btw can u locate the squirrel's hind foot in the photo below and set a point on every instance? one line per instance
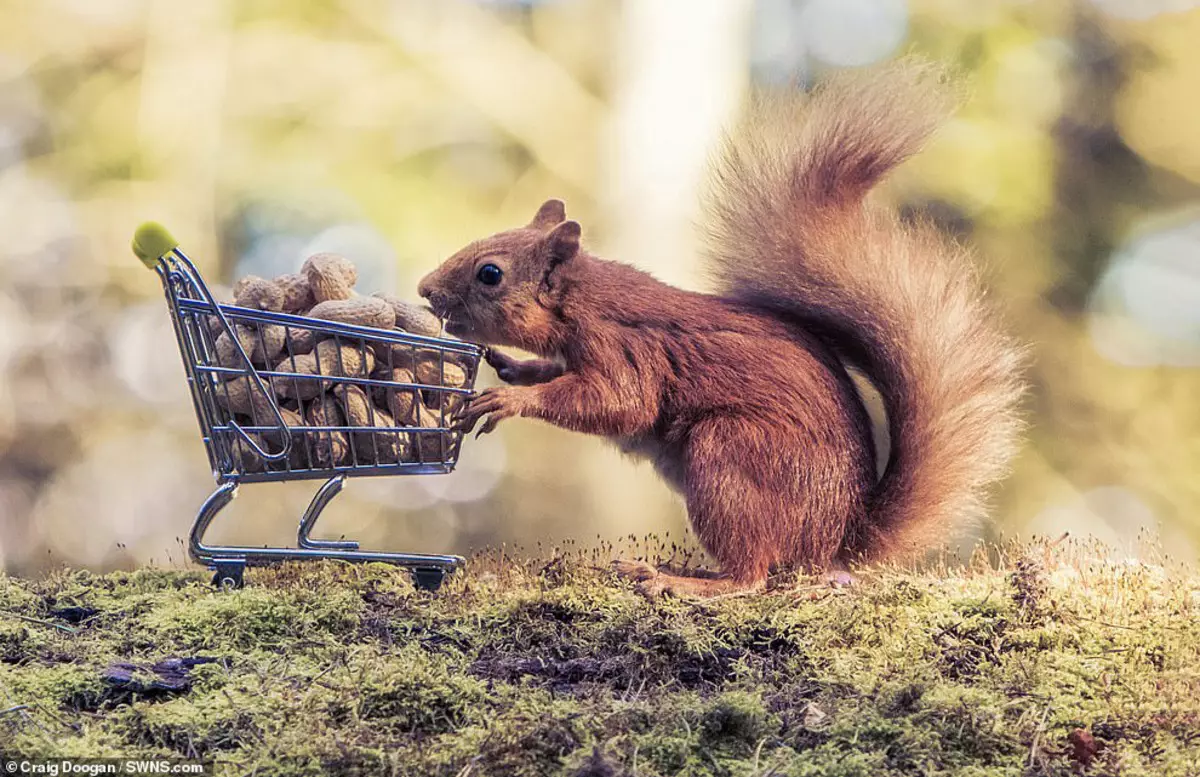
(697, 587)
(838, 578)
(637, 571)
(653, 582)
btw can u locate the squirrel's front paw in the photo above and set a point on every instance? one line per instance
(507, 368)
(496, 404)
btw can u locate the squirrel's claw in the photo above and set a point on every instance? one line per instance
(488, 426)
(492, 405)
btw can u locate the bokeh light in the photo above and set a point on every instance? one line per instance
(853, 32)
(1146, 307)
(1143, 9)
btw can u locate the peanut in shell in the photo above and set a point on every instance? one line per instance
(417, 319)
(434, 369)
(261, 342)
(328, 360)
(257, 293)
(297, 293)
(399, 402)
(330, 448)
(331, 277)
(430, 445)
(362, 311)
(272, 442)
(370, 447)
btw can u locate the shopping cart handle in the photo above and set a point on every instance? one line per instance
(152, 241)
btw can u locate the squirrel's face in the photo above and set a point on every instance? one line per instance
(500, 290)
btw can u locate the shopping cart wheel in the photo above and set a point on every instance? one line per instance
(228, 576)
(428, 578)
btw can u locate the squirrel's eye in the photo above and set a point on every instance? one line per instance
(489, 275)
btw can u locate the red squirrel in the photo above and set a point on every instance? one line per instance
(742, 399)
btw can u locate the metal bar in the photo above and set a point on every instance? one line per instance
(407, 468)
(213, 505)
(323, 497)
(189, 367)
(257, 557)
(343, 379)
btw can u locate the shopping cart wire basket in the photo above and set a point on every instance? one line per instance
(283, 397)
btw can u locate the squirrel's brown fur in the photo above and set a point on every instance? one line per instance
(742, 400)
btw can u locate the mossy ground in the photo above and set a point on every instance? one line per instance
(1041, 662)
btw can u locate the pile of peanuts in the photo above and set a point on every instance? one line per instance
(324, 290)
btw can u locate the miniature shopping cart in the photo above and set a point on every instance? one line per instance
(376, 402)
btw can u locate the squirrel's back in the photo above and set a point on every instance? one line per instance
(793, 234)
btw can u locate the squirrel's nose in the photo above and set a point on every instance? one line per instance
(428, 289)
(425, 288)
(437, 300)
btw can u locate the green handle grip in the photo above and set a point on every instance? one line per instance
(151, 242)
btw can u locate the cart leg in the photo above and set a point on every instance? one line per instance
(229, 569)
(229, 561)
(216, 502)
(323, 497)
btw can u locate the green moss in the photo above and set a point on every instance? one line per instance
(199, 727)
(421, 694)
(19, 642)
(253, 618)
(69, 687)
(535, 668)
(736, 721)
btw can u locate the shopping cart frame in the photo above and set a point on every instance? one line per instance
(194, 312)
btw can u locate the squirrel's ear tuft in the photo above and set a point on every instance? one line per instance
(564, 241)
(552, 212)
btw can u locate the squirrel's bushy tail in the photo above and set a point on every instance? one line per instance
(791, 232)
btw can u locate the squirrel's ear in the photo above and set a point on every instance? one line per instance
(552, 212)
(563, 241)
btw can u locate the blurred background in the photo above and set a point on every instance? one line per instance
(396, 131)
